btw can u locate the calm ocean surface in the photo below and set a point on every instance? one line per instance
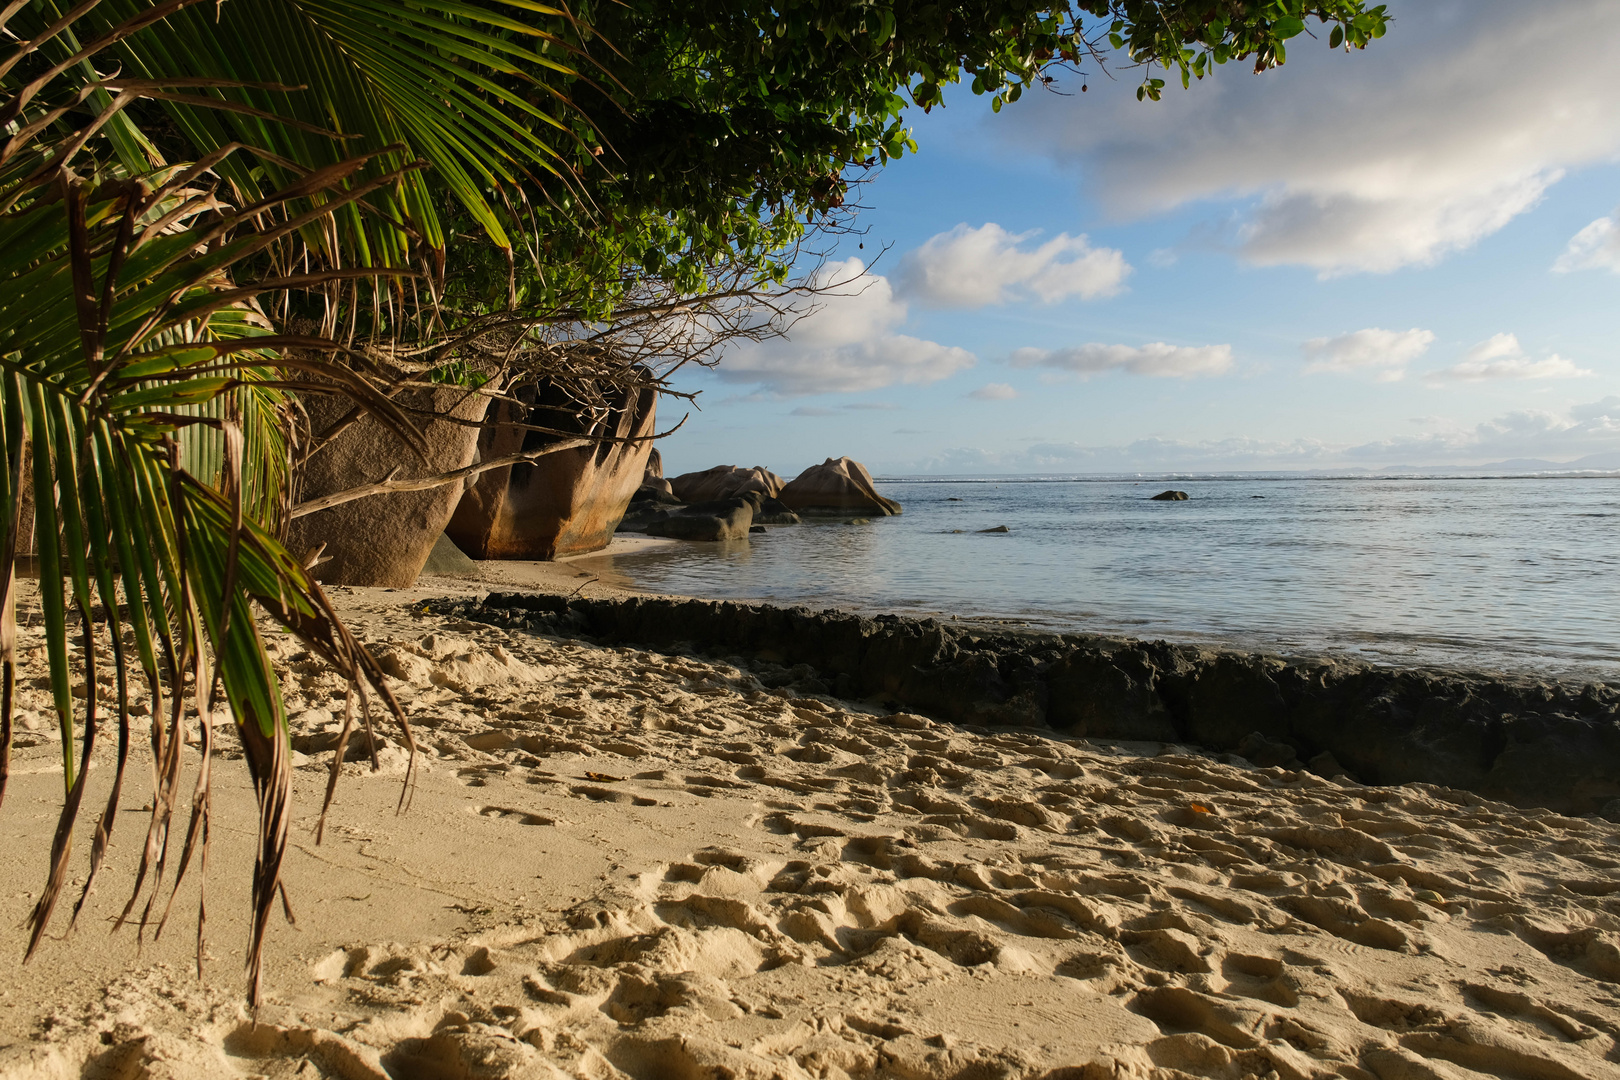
(1508, 573)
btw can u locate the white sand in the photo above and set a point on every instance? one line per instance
(621, 863)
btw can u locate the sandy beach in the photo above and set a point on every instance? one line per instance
(621, 863)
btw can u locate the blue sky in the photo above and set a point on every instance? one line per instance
(1409, 255)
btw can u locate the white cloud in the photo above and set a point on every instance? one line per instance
(996, 391)
(813, 410)
(1433, 138)
(1159, 359)
(1502, 357)
(847, 345)
(1596, 247)
(1586, 436)
(1383, 352)
(974, 268)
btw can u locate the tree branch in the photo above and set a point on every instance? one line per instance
(388, 484)
(424, 483)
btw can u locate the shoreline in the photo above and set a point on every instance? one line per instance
(1527, 740)
(622, 864)
(535, 576)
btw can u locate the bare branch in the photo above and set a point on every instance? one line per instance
(425, 483)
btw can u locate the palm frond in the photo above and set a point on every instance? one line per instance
(134, 382)
(453, 83)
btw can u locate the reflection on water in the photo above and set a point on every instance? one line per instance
(1518, 574)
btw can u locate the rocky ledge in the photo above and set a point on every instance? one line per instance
(1525, 741)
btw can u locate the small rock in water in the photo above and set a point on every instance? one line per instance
(953, 498)
(1170, 496)
(997, 529)
(775, 512)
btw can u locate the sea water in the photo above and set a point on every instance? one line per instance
(1518, 574)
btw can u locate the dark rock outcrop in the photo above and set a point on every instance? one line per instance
(724, 482)
(564, 503)
(775, 512)
(1169, 496)
(837, 486)
(648, 506)
(1521, 740)
(383, 539)
(720, 519)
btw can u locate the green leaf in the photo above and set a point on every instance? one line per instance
(1288, 26)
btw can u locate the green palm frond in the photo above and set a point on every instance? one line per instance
(137, 378)
(460, 85)
(141, 412)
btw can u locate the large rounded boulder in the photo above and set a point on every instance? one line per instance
(383, 539)
(563, 503)
(725, 482)
(837, 486)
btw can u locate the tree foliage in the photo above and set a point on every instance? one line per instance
(722, 129)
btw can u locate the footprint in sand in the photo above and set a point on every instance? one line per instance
(522, 817)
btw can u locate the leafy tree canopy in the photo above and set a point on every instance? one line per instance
(628, 141)
(719, 128)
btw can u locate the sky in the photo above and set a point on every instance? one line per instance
(1408, 255)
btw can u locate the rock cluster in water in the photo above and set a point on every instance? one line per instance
(727, 503)
(1526, 741)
